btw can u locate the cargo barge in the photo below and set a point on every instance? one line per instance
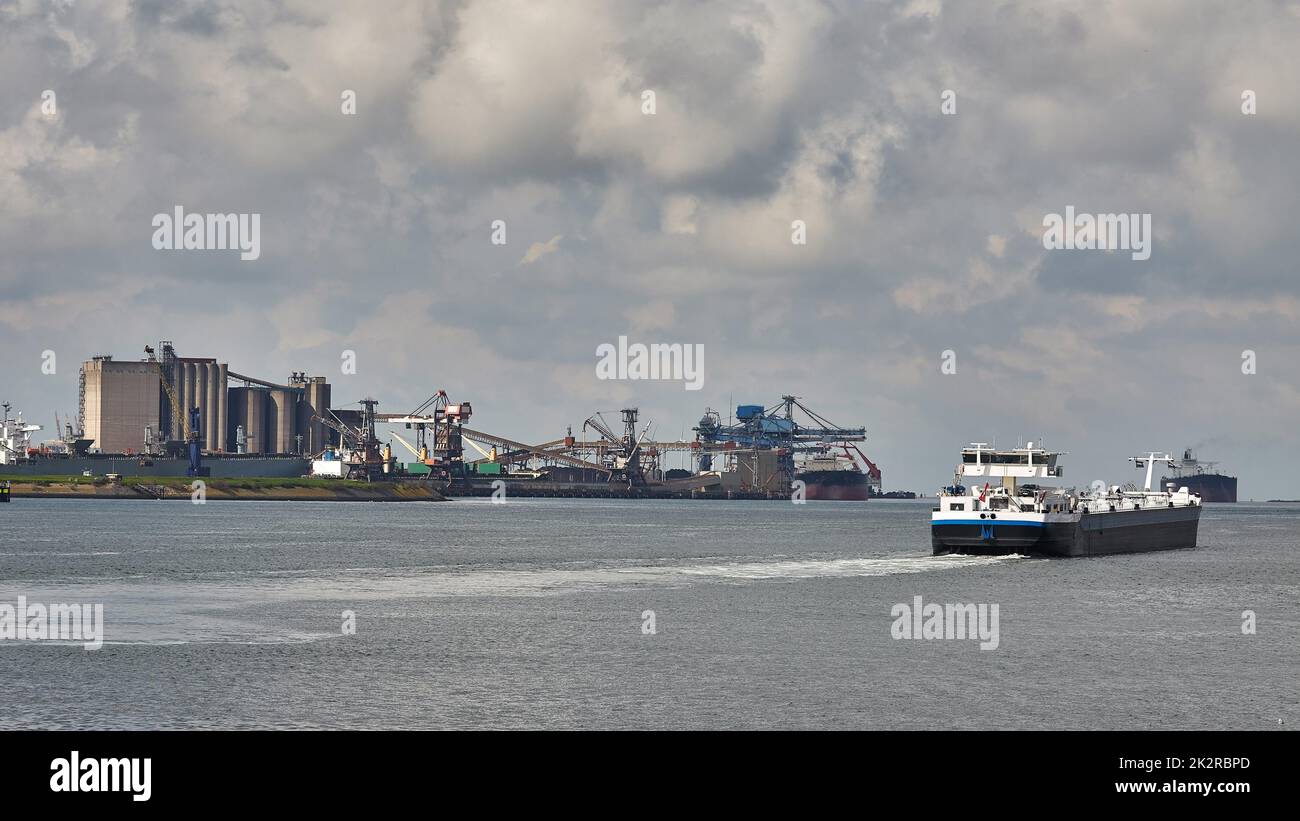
(1031, 519)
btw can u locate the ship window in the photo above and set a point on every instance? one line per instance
(957, 506)
(991, 458)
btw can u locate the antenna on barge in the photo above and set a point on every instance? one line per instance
(1149, 462)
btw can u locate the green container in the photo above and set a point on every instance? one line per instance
(489, 468)
(417, 468)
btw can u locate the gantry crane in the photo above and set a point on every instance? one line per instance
(776, 428)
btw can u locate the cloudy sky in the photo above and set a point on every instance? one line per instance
(924, 229)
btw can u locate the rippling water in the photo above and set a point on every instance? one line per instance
(530, 614)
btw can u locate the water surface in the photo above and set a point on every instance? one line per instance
(530, 614)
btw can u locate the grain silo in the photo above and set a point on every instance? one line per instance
(210, 402)
(178, 380)
(254, 420)
(313, 403)
(223, 403)
(182, 390)
(238, 401)
(281, 413)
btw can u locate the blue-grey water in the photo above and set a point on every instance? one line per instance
(529, 614)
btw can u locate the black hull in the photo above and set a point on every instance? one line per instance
(1094, 534)
(1211, 487)
(835, 485)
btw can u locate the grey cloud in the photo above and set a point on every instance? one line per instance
(376, 227)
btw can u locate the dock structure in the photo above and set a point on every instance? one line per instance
(152, 416)
(755, 457)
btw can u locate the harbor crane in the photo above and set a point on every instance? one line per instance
(189, 419)
(441, 432)
(777, 428)
(625, 461)
(365, 461)
(443, 452)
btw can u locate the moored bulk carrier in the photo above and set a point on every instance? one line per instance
(834, 479)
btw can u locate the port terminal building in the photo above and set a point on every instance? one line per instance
(125, 407)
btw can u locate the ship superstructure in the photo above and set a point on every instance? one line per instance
(1010, 512)
(1203, 478)
(15, 437)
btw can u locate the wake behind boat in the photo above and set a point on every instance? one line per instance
(1033, 519)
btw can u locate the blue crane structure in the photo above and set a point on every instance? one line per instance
(777, 428)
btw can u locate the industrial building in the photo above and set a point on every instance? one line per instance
(270, 418)
(118, 402)
(232, 424)
(125, 407)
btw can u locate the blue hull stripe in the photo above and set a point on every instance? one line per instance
(994, 522)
